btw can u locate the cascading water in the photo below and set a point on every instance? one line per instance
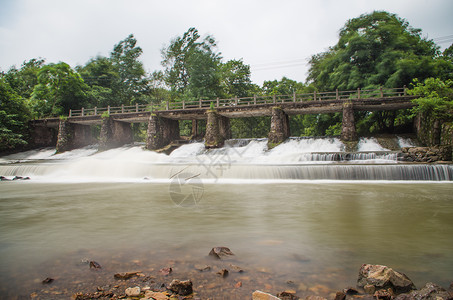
(243, 159)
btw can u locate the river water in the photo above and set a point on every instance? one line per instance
(304, 216)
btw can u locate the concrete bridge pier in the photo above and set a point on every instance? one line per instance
(72, 136)
(161, 132)
(279, 127)
(114, 134)
(348, 132)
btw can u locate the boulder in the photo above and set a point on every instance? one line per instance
(182, 288)
(133, 291)
(219, 252)
(259, 295)
(383, 277)
(430, 291)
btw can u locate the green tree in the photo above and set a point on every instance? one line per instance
(23, 80)
(59, 89)
(236, 79)
(132, 86)
(14, 115)
(377, 49)
(192, 65)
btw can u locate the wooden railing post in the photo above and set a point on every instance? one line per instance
(199, 101)
(218, 100)
(70, 112)
(405, 91)
(122, 108)
(274, 99)
(294, 96)
(168, 105)
(183, 104)
(254, 99)
(314, 95)
(236, 100)
(337, 95)
(108, 109)
(136, 107)
(95, 111)
(381, 92)
(358, 93)
(83, 111)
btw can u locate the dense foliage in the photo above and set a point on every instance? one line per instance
(377, 49)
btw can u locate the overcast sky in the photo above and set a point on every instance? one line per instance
(276, 38)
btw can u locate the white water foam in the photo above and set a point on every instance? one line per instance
(370, 144)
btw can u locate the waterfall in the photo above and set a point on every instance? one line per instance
(241, 159)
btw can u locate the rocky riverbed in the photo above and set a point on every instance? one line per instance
(218, 276)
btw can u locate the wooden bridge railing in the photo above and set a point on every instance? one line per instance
(246, 101)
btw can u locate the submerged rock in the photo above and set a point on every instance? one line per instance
(430, 291)
(219, 252)
(223, 273)
(182, 288)
(47, 280)
(95, 265)
(126, 275)
(259, 295)
(383, 277)
(165, 271)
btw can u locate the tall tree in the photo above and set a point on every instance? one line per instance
(132, 83)
(59, 89)
(14, 115)
(192, 65)
(377, 49)
(236, 79)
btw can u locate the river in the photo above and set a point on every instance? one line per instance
(297, 217)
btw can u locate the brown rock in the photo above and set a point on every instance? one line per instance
(132, 291)
(156, 295)
(430, 291)
(224, 273)
(238, 284)
(126, 275)
(47, 280)
(340, 296)
(369, 289)
(182, 288)
(383, 277)
(287, 295)
(315, 298)
(259, 295)
(384, 294)
(219, 252)
(165, 271)
(95, 265)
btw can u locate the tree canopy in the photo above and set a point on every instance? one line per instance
(377, 49)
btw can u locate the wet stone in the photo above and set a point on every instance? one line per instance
(182, 288)
(223, 273)
(133, 291)
(259, 295)
(95, 265)
(219, 252)
(340, 296)
(47, 280)
(126, 275)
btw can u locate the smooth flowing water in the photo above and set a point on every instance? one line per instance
(297, 217)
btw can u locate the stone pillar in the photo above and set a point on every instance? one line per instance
(224, 127)
(114, 134)
(65, 136)
(213, 137)
(82, 136)
(161, 132)
(348, 133)
(279, 127)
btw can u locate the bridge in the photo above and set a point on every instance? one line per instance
(163, 119)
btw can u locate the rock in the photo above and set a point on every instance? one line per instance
(47, 280)
(430, 291)
(156, 295)
(133, 291)
(95, 265)
(224, 273)
(3, 178)
(237, 269)
(287, 295)
(202, 268)
(125, 276)
(350, 291)
(369, 289)
(383, 277)
(340, 296)
(238, 284)
(259, 295)
(218, 252)
(165, 271)
(182, 288)
(384, 294)
(315, 298)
